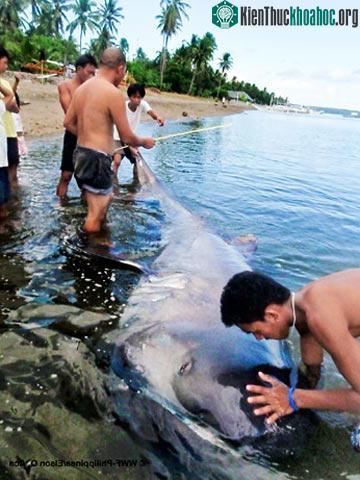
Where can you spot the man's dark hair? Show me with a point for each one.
(4, 53)
(84, 60)
(246, 296)
(135, 88)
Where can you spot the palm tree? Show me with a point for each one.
(50, 17)
(98, 45)
(124, 45)
(109, 14)
(225, 64)
(170, 21)
(59, 9)
(10, 14)
(45, 21)
(85, 17)
(36, 6)
(202, 51)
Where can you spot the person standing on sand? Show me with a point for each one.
(96, 106)
(326, 313)
(84, 70)
(135, 106)
(22, 148)
(7, 103)
(9, 124)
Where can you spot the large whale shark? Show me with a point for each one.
(177, 367)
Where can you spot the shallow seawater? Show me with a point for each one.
(292, 181)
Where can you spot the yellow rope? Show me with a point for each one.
(181, 134)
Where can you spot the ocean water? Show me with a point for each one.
(290, 181)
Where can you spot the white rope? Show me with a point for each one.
(180, 134)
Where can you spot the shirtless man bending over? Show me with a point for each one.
(326, 313)
(96, 106)
(85, 67)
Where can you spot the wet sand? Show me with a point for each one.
(43, 116)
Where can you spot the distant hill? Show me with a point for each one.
(338, 111)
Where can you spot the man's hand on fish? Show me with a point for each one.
(274, 399)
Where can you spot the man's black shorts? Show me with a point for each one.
(69, 145)
(13, 152)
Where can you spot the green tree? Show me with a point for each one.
(85, 17)
(124, 45)
(109, 15)
(51, 17)
(141, 55)
(36, 6)
(99, 44)
(170, 21)
(44, 23)
(225, 64)
(24, 47)
(60, 7)
(202, 52)
(11, 12)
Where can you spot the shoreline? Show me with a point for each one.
(43, 115)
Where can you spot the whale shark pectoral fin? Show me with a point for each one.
(246, 244)
(73, 245)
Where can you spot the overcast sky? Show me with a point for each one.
(311, 65)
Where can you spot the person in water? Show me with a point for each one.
(85, 67)
(7, 104)
(325, 312)
(135, 106)
(13, 158)
(95, 107)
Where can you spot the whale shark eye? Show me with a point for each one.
(185, 368)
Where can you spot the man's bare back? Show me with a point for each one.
(96, 106)
(335, 298)
(94, 120)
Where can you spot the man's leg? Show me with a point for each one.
(67, 164)
(4, 192)
(97, 208)
(116, 163)
(13, 175)
(63, 184)
(13, 160)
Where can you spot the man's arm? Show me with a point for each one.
(312, 355)
(64, 96)
(330, 330)
(119, 116)
(9, 99)
(70, 120)
(156, 117)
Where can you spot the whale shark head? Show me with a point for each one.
(202, 372)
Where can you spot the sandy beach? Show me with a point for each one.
(43, 116)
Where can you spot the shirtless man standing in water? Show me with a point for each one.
(84, 69)
(96, 106)
(326, 313)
